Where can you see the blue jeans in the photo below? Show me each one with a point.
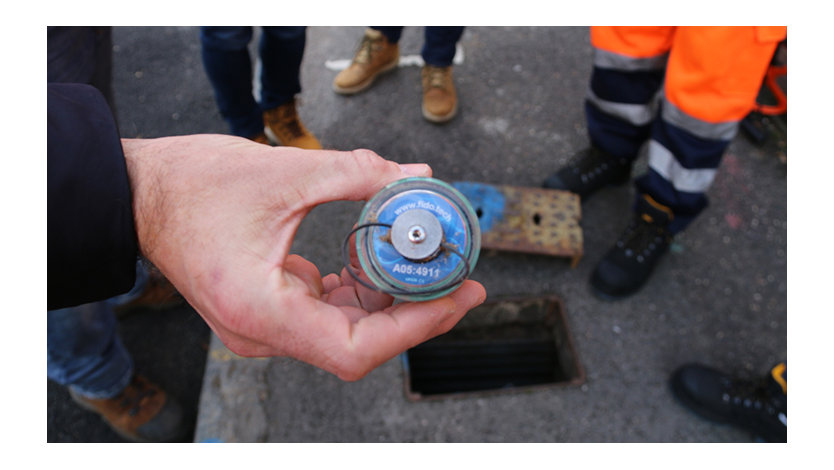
(438, 44)
(229, 68)
(84, 351)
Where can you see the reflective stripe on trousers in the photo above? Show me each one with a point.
(685, 106)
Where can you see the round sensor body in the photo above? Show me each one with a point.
(425, 241)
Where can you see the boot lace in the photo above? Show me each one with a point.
(285, 120)
(134, 396)
(437, 77)
(642, 238)
(366, 47)
(748, 399)
(591, 165)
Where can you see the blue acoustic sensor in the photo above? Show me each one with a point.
(417, 239)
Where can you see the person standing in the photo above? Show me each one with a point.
(684, 90)
(273, 119)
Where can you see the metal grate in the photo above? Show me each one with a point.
(499, 346)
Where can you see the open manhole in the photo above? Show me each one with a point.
(499, 346)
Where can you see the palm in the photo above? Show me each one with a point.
(222, 231)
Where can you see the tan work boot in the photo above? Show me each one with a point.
(375, 56)
(283, 127)
(261, 138)
(142, 412)
(440, 100)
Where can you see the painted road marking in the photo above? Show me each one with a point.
(412, 60)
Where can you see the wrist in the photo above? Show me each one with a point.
(142, 158)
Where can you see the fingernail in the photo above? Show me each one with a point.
(415, 169)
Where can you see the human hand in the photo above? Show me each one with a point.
(217, 215)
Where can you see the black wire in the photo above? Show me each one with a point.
(346, 253)
(395, 291)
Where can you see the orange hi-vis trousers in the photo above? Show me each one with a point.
(682, 89)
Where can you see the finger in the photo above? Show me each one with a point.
(379, 337)
(345, 298)
(351, 293)
(369, 299)
(306, 271)
(416, 169)
(468, 296)
(356, 175)
(330, 282)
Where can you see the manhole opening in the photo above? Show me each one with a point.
(499, 346)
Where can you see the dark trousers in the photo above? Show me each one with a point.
(228, 65)
(438, 44)
(623, 137)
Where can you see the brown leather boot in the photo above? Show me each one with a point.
(142, 412)
(283, 126)
(440, 100)
(375, 56)
(159, 294)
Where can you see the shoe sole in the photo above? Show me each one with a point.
(606, 297)
(274, 141)
(601, 295)
(440, 119)
(368, 82)
(692, 406)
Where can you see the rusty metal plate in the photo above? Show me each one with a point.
(527, 220)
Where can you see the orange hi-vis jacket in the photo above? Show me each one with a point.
(713, 73)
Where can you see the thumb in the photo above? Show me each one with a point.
(357, 175)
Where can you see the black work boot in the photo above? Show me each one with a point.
(588, 171)
(757, 406)
(628, 264)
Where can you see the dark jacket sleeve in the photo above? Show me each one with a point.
(92, 247)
